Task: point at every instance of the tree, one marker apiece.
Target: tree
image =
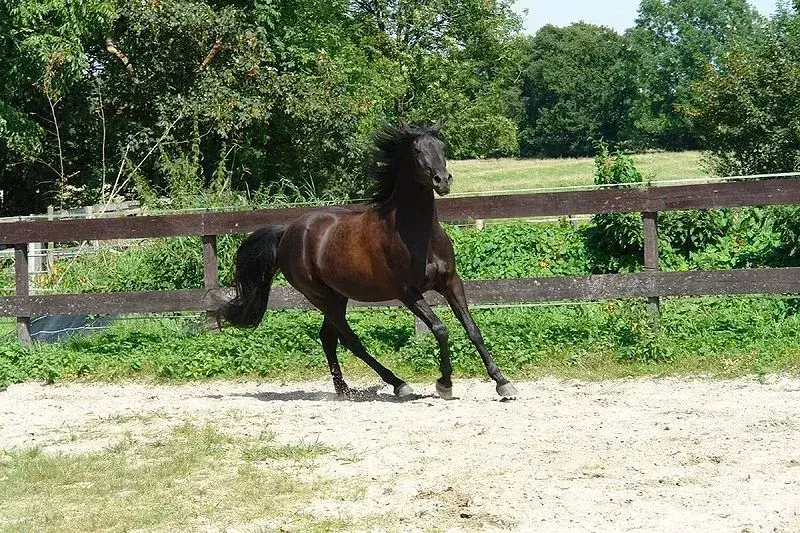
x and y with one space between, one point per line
204 101
674 42
460 60
43 61
577 90
747 109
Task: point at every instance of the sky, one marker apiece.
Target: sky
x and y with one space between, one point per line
618 14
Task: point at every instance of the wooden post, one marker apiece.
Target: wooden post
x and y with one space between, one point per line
650 222
89 213
35 259
50 245
210 276
21 276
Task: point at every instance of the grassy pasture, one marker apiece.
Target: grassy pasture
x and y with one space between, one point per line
482 175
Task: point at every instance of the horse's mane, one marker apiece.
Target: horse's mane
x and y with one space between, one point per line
390 141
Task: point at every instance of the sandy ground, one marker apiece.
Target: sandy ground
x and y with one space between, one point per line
633 455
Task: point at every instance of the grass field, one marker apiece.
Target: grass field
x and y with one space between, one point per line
483 175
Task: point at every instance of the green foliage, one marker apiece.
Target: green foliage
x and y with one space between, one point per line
577 90
786 226
690 231
20 136
615 239
748 107
673 43
6 278
522 250
165 264
722 335
197 103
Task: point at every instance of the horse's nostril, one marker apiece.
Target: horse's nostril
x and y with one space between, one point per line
437 179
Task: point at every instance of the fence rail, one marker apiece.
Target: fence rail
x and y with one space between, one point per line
650 284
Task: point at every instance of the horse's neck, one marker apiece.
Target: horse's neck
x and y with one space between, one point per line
415 216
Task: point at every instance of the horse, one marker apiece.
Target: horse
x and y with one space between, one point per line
391 249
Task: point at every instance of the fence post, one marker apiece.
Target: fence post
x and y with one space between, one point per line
21 278
34 259
210 276
50 245
650 222
89 214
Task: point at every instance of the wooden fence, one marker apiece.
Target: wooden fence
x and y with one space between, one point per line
650 284
43 254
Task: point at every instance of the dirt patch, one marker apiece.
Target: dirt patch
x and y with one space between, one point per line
654 455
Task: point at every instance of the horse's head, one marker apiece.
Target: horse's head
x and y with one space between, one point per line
430 166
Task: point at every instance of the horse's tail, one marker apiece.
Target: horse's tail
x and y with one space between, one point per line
255 268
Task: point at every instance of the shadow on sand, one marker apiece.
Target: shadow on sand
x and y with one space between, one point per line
370 394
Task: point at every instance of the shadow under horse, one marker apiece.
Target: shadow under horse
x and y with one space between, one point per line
394 248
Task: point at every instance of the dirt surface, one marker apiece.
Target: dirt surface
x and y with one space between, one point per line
650 455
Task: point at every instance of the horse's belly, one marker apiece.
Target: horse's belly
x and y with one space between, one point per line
364 285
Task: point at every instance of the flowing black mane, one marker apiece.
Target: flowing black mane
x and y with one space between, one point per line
390 141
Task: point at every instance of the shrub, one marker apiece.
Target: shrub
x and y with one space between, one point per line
689 231
615 239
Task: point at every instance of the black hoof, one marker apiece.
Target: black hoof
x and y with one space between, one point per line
507 390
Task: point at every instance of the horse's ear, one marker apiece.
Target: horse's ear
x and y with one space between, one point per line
436 129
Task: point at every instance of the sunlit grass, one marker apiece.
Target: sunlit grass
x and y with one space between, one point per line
482 175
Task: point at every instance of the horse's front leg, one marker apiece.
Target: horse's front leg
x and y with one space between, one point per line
414 300
453 292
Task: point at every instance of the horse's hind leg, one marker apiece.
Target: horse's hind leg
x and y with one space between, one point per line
330 339
335 314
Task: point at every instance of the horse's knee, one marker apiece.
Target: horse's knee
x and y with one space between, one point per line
439 331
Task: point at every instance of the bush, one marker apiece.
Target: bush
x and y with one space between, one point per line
163 264
615 239
689 231
747 109
503 251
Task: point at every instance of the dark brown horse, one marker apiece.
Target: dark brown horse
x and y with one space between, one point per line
393 249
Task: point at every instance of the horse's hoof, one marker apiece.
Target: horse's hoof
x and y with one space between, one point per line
507 390
402 390
445 393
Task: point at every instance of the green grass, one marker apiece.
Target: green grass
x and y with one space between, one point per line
191 478
715 336
482 175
